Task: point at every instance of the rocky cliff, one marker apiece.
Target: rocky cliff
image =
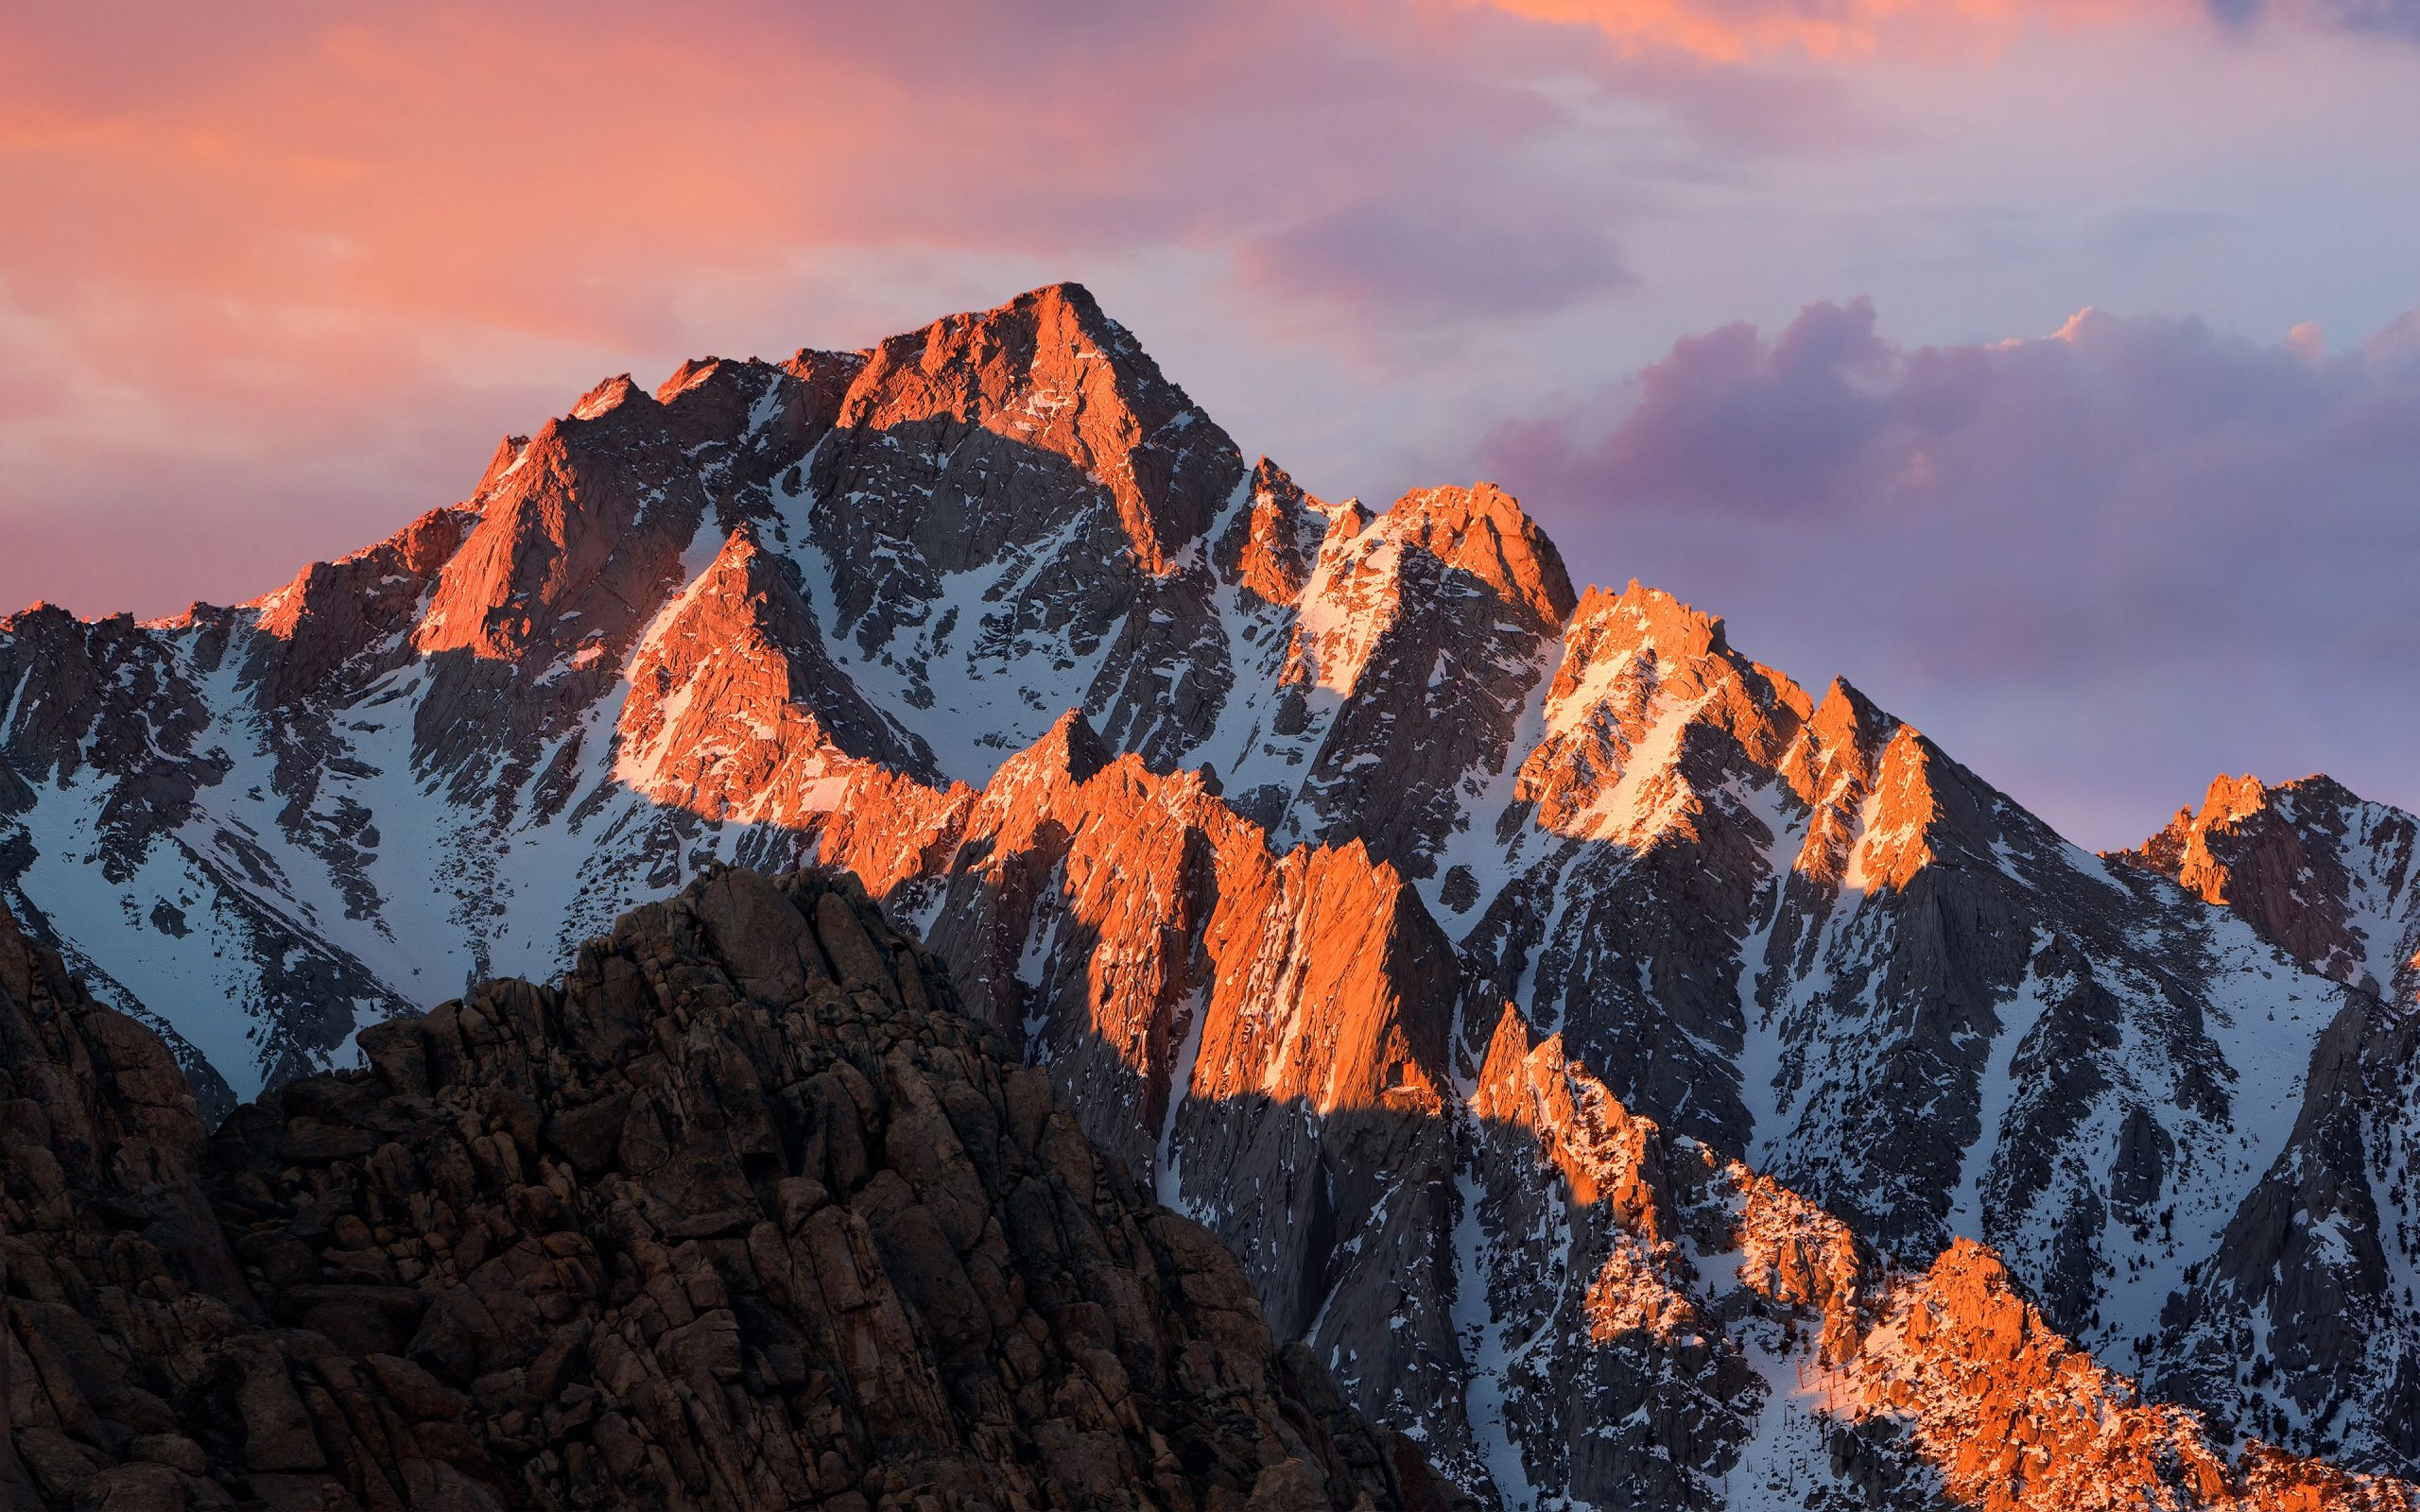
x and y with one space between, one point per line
742 1213
2304 1323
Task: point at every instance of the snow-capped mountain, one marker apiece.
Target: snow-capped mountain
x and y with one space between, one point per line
1611 1058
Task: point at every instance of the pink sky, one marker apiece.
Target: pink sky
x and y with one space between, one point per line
277 275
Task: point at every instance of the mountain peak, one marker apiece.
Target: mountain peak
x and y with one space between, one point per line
1065 396
1484 531
769 612
734 709
1070 748
608 397
1071 301
501 463
2319 872
1272 546
2233 797
1846 719
1674 628
685 377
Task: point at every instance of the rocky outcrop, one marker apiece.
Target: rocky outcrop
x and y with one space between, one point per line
1799 930
1421 635
1266 1034
1644 827
112 1256
734 711
2302 1325
2330 878
106 728
1270 547
744 1213
1960 1381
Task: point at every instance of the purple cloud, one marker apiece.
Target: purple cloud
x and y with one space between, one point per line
2136 536
2392 18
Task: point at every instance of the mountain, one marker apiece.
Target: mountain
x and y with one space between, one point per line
741 1214
1279 833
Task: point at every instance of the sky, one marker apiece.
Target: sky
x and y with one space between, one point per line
2049 368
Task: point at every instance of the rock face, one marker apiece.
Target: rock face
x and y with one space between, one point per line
2323 875
2303 1326
2304 1323
1276 832
742 1215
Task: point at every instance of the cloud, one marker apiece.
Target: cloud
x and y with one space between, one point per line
275 240
1734 30
2133 535
2391 18
1489 257
264 232
1849 30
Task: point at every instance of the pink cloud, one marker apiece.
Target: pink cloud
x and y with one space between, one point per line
1731 30
1735 31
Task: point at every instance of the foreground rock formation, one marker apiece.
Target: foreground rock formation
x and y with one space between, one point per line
1244 816
742 1215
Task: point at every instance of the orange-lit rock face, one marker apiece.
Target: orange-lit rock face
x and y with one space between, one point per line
1941 1380
1943 1376
1270 546
587 1285
2327 877
344 616
1604 1152
2014 1416
735 713
1048 375
1644 681
567 529
1832 772
1898 820
1633 1295
1406 668
1327 990
1482 531
1110 913
1796 1254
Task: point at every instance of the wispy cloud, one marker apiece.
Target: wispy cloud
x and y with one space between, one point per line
1849 30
